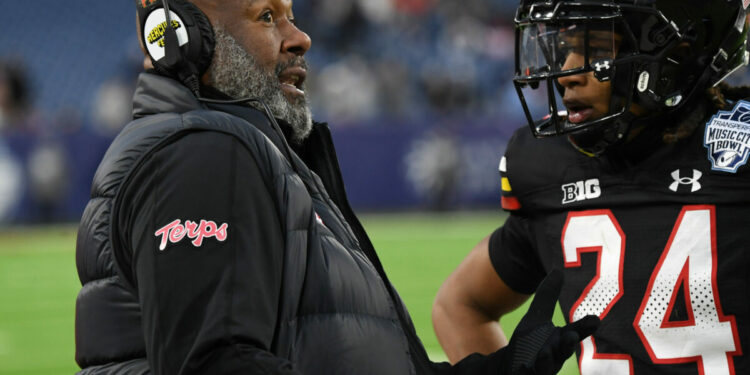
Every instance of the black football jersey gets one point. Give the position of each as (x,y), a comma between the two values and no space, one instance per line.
(659,249)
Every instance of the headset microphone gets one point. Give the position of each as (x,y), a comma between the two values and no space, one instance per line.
(171,43)
(173,56)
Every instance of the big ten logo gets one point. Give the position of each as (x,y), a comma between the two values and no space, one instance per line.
(581,190)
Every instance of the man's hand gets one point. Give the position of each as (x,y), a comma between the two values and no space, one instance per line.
(537,346)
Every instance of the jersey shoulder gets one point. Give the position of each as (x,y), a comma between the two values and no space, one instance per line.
(534,165)
(708,166)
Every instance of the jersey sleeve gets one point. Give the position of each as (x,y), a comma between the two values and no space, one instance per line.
(514,256)
(512,248)
(508,198)
(205,247)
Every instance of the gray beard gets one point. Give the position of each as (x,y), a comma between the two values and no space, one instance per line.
(237,73)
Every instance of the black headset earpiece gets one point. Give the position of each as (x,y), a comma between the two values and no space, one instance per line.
(182,51)
(172,53)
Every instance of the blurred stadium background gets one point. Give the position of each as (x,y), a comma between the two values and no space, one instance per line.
(417,93)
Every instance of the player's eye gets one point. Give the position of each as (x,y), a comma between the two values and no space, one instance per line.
(597,52)
(267,16)
(564,50)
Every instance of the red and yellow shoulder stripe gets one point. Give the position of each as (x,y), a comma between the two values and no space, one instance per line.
(508,200)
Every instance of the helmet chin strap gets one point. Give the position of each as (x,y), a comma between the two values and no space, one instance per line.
(595,141)
(629,134)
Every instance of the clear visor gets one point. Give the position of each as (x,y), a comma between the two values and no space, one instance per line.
(546,48)
(553,57)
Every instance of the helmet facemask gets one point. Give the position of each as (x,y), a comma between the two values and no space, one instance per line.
(636,56)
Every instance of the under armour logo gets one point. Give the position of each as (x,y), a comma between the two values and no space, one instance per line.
(693,182)
(603,69)
(602,65)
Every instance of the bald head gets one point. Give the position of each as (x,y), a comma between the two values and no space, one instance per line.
(222,12)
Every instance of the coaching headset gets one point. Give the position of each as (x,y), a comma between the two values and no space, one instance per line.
(183,51)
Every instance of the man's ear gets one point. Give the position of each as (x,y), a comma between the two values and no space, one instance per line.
(147,64)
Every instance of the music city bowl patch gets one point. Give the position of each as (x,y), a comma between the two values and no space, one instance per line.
(727,138)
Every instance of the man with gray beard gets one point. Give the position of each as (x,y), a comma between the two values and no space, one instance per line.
(219,238)
(236,73)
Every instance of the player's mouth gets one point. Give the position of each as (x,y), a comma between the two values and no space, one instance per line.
(578,111)
(291,80)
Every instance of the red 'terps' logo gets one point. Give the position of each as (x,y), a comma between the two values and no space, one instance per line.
(174,232)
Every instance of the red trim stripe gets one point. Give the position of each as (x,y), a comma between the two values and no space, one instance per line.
(510,203)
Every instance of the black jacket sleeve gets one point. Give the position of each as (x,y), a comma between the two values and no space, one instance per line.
(206,248)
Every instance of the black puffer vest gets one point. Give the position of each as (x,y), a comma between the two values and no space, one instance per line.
(338,314)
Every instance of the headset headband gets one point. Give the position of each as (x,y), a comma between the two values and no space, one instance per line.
(184,49)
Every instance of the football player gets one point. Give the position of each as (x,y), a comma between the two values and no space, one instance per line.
(637,189)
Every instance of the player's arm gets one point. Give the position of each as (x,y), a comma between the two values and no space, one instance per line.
(474,297)
(209,303)
(469,304)
(537,346)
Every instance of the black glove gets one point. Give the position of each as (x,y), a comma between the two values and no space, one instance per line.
(537,346)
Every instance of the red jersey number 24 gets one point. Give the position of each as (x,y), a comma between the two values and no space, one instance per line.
(707,337)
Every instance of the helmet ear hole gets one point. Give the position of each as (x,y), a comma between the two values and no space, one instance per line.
(681,53)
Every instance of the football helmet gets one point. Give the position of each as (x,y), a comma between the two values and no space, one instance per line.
(656,55)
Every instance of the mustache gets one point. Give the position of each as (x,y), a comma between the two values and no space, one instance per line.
(295,62)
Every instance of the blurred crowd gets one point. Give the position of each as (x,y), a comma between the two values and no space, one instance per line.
(46,162)
(409,59)
(436,65)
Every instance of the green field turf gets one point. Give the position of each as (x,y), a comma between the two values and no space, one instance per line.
(38,282)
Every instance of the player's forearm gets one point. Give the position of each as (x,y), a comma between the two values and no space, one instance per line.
(462,330)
